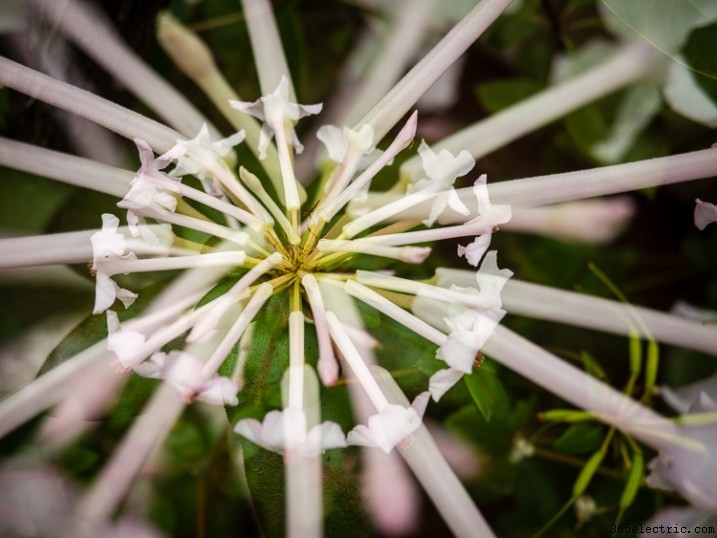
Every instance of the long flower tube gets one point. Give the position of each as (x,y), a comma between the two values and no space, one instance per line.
(586,221)
(629,64)
(543,302)
(194,58)
(101,499)
(121,120)
(433,472)
(66,168)
(568,186)
(389,110)
(436,477)
(88,30)
(689,447)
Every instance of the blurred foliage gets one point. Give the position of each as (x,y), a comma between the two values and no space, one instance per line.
(210,482)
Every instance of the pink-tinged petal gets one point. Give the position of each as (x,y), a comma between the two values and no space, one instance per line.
(285,431)
(152,367)
(390,426)
(336,144)
(125,344)
(249,428)
(705,213)
(442,381)
(474,251)
(326,435)
(219,390)
(184,371)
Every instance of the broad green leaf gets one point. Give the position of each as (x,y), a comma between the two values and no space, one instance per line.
(409,357)
(688,97)
(28,303)
(28,203)
(699,53)
(667,23)
(267,359)
(487,392)
(499,94)
(580,438)
(266,362)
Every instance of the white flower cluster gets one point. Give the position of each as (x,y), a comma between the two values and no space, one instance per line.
(271,261)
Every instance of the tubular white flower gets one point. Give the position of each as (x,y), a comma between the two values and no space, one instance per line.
(354,360)
(257,300)
(564,187)
(469,332)
(390,426)
(270,434)
(88,30)
(632,62)
(587,221)
(402,140)
(442,170)
(108,245)
(217,308)
(488,217)
(348,146)
(191,154)
(327,366)
(395,312)
(195,59)
(65,168)
(212,259)
(257,188)
(474,251)
(185,373)
(96,109)
(392,423)
(469,297)
(266,46)
(387,112)
(279,114)
(405,254)
(339,142)
(442,381)
(437,478)
(546,303)
(296,360)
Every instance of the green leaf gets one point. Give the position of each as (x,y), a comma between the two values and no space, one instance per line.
(580,438)
(267,359)
(266,362)
(487,392)
(499,94)
(587,473)
(634,479)
(28,203)
(700,55)
(667,23)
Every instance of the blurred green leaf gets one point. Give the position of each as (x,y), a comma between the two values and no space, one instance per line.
(28,203)
(668,23)
(487,392)
(580,438)
(499,94)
